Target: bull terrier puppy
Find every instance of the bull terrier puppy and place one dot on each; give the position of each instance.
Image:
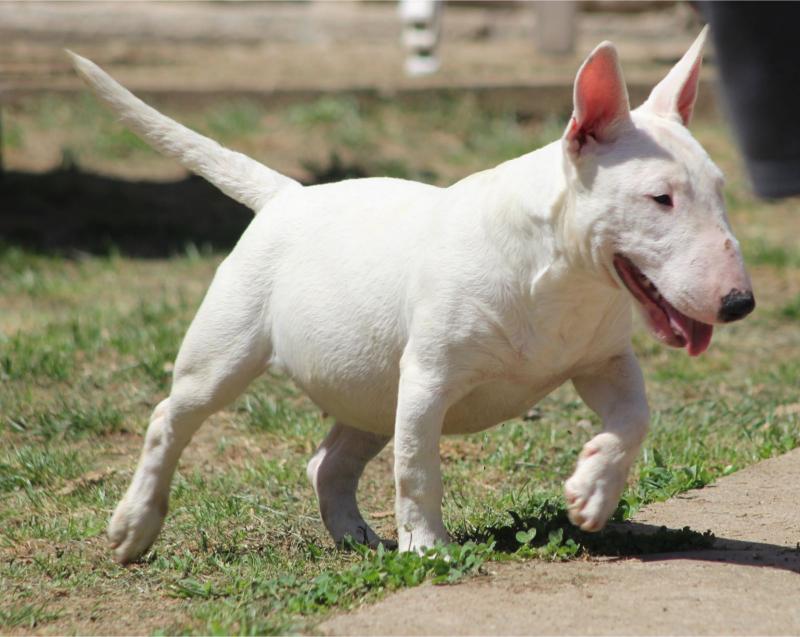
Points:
(410, 311)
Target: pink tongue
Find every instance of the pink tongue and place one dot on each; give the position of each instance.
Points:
(697, 334)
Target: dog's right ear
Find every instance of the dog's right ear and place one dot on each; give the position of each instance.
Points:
(601, 108)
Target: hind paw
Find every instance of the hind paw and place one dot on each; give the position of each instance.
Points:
(134, 527)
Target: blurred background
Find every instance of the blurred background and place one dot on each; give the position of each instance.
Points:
(318, 90)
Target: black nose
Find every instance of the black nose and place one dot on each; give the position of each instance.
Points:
(735, 305)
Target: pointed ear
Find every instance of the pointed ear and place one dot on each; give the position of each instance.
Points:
(600, 100)
(675, 95)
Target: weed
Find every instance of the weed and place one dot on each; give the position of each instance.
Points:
(119, 142)
(234, 120)
(374, 573)
(27, 616)
(555, 550)
(791, 310)
(12, 137)
(324, 111)
(341, 117)
(41, 356)
(70, 420)
(762, 252)
(26, 467)
(279, 416)
(503, 138)
(539, 528)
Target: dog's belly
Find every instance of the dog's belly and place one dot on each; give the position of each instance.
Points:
(370, 404)
(492, 403)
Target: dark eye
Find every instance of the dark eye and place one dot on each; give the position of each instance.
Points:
(663, 200)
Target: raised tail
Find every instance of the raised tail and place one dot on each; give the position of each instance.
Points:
(238, 176)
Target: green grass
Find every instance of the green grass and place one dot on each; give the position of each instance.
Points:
(791, 310)
(234, 120)
(370, 572)
(86, 347)
(66, 419)
(331, 136)
(26, 466)
(13, 136)
(26, 616)
(762, 252)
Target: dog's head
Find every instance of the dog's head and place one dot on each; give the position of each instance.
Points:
(647, 209)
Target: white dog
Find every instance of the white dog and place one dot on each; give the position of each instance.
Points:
(412, 311)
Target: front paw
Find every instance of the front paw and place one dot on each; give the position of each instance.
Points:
(594, 489)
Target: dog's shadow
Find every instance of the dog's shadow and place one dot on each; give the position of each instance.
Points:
(718, 549)
(646, 542)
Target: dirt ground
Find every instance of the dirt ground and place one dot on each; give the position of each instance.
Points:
(748, 583)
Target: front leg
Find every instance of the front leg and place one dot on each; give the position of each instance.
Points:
(421, 406)
(616, 393)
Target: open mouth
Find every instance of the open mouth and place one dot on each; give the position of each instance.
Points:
(668, 324)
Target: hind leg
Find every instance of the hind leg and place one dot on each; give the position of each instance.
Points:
(334, 471)
(225, 348)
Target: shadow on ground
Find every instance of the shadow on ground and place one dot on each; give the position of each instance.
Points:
(68, 212)
(661, 543)
(648, 542)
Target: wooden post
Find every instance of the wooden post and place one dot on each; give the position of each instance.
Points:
(556, 26)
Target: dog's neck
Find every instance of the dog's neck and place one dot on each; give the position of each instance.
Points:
(529, 216)
(524, 216)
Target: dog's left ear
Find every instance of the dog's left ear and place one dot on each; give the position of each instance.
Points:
(600, 99)
(675, 95)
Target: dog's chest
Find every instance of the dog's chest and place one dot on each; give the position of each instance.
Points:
(534, 366)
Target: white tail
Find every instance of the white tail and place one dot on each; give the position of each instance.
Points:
(238, 176)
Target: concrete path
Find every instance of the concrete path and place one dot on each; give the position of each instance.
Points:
(747, 583)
